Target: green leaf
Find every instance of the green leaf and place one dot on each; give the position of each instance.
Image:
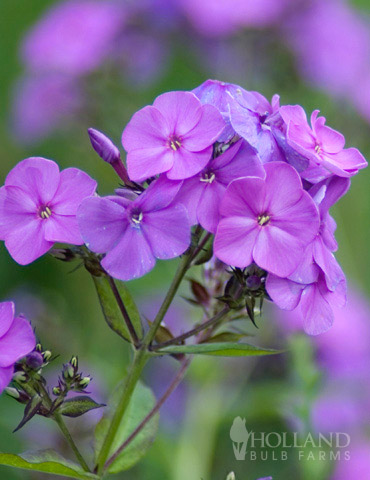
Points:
(30, 411)
(77, 406)
(111, 311)
(226, 337)
(47, 461)
(140, 405)
(221, 349)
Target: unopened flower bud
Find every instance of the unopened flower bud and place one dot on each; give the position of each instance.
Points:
(84, 382)
(68, 371)
(74, 362)
(103, 146)
(19, 377)
(106, 149)
(56, 391)
(34, 360)
(38, 347)
(47, 355)
(12, 392)
(253, 282)
(231, 476)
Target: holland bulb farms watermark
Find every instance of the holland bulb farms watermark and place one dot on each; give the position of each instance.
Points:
(249, 445)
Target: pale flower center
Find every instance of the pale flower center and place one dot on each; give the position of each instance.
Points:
(263, 219)
(137, 218)
(174, 143)
(208, 177)
(318, 149)
(45, 212)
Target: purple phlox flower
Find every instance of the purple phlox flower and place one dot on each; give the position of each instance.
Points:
(174, 135)
(269, 221)
(38, 206)
(253, 118)
(202, 194)
(134, 233)
(322, 145)
(16, 341)
(74, 36)
(41, 102)
(106, 150)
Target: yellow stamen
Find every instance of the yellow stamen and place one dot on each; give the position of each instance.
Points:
(45, 213)
(318, 149)
(138, 218)
(263, 220)
(208, 177)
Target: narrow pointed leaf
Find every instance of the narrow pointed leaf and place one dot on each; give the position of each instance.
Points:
(77, 406)
(226, 349)
(30, 411)
(111, 311)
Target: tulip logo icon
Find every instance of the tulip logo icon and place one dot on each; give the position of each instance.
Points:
(239, 436)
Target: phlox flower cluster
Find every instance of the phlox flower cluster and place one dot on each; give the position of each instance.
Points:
(255, 174)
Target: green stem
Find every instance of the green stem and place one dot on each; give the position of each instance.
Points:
(124, 312)
(140, 359)
(180, 274)
(63, 428)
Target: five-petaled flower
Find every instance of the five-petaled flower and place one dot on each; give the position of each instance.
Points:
(269, 221)
(134, 233)
(174, 135)
(38, 206)
(322, 145)
(16, 340)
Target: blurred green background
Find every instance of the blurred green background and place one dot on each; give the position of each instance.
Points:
(62, 303)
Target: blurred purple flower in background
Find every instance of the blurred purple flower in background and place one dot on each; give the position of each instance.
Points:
(41, 102)
(74, 37)
(359, 465)
(16, 340)
(38, 206)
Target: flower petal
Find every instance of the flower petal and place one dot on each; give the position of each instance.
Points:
(285, 293)
(7, 312)
(317, 313)
(190, 195)
(17, 342)
(208, 208)
(131, 258)
(27, 243)
(277, 251)
(102, 222)
(6, 375)
(182, 111)
(234, 241)
(74, 186)
(167, 231)
(206, 131)
(147, 129)
(158, 195)
(37, 176)
(186, 163)
(244, 197)
(16, 208)
(148, 162)
(63, 229)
